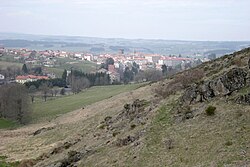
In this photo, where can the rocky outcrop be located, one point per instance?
(233, 80)
(42, 130)
(73, 158)
(126, 141)
(243, 99)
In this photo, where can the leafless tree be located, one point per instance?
(56, 91)
(32, 90)
(14, 102)
(45, 90)
(79, 83)
(148, 75)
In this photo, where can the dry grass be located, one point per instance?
(220, 140)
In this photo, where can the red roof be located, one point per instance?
(25, 77)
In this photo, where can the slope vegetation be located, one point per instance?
(199, 117)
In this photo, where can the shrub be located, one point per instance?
(132, 126)
(210, 110)
(238, 62)
(229, 143)
(62, 92)
(180, 81)
(165, 90)
(115, 133)
(189, 77)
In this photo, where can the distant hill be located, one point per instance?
(113, 45)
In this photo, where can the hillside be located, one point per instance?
(199, 117)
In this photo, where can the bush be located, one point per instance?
(179, 82)
(189, 77)
(210, 110)
(62, 92)
(132, 126)
(229, 143)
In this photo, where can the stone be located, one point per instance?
(224, 85)
(42, 130)
(243, 99)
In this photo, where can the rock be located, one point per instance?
(189, 115)
(233, 80)
(169, 143)
(42, 130)
(59, 164)
(249, 63)
(243, 99)
(73, 157)
(126, 141)
(27, 163)
(65, 146)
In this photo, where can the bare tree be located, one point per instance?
(51, 92)
(148, 75)
(45, 90)
(56, 91)
(32, 90)
(79, 83)
(14, 102)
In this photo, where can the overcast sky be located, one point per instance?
(152, 19)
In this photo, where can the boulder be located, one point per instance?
(233, 80)
(243, 99)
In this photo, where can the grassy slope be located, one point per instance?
(222, 139)
(4, 64)
(85, 66)
(49, 109)
(7, 164)
(219, 140)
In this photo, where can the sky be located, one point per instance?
(202, 20)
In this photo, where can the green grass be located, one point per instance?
(84, 66)
(57, 71)
(3, 163)
(5, 64)
(7, 124)
(52, 108)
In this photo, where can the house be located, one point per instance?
(114, 77)
(29, 78)
(102, 70)
(88, 57)
(172, 61)
(2, 77)
(63, 54)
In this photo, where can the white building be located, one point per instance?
(1, 77)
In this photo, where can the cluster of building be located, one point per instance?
(49, 58)
(22, 79)
(29, 78)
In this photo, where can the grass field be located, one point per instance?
(4, 64)
(7, 124)
(84, 66)
(66, 63)
(50, 109)
(7, 164)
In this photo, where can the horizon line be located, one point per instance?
(124, 38)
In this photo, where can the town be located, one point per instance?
(115, 65)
